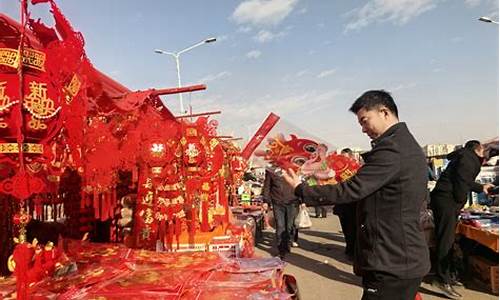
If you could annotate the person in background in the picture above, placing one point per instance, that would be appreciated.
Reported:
(391, 252)
(447, 199)
(280, 195)
(347, 216)
(320, 211)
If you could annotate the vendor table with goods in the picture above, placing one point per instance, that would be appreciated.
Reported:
(480, 226)
(113, 271)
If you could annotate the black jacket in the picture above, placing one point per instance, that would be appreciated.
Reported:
(459, 178)
(276, 190)
(389, 189)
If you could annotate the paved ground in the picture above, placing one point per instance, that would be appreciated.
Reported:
(323, 271)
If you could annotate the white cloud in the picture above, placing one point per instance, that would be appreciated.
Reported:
(289, 77)
(212, 77)
(490, 7)
(403, 86)
(472, 3)
(264, 36)
(281, 105)
(302, 73)
(326, 73)
(302, 11)
(254, 54)
(244, 29)
(263, 12)
(396, 11)
(222, 38)
(457, 39)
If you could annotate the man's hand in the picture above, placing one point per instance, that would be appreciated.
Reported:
(291, 178)
(487, 187)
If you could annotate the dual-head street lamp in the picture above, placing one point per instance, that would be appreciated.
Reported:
(177, 62)
(487, 20)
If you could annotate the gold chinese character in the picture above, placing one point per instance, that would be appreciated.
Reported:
(148, 199)
(148, 184)
(72, 88)
(4, 99)
(213, 143)
(36, 124)
(9, 57)
(37, 102)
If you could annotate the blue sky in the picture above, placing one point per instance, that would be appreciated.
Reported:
(307, 61)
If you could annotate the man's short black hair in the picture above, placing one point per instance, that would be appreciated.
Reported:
(375, 98)
(472, 145)
(346, 150)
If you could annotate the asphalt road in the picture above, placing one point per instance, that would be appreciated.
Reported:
(324, 272)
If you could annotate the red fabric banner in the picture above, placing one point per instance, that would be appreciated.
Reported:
(259, 136)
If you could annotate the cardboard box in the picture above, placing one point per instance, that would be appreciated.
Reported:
(485, 270)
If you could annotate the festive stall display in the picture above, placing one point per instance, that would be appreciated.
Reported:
(234, 168)
(42, 81)
(68, 134)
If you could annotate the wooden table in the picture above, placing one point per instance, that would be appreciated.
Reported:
(483, 237)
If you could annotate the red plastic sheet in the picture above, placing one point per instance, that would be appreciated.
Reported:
(113, 271)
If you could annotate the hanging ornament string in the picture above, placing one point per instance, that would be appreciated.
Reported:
(39, 116)
(19, 125)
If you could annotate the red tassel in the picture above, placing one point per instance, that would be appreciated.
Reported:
(223, 199)
(23, 255)
(135, 175)
(170, 234)
(88, 202)
(178, 228)
(96, 205)
(162, 228)
(83, 199)
(38, 210)
(105, 206)
(204, 216)
(113, 204)
(192, 228)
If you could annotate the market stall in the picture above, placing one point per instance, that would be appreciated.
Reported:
(86, 158)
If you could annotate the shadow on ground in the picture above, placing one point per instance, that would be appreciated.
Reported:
(267, 244)
(326, 235)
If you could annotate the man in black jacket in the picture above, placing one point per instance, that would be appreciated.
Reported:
(447, 199)
(281, 195)
(391, 253)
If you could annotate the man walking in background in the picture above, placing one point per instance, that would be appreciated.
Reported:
(279, 194)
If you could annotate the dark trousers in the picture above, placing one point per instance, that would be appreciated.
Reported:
(445, 222)
(320, 211)
(284, 217)
(347, 217)
(381, 286)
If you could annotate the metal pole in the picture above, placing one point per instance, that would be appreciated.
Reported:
(177, 63)
(179, 84)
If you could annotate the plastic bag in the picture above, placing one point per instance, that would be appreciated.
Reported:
(303, 220)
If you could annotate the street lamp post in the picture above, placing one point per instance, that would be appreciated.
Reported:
(487, 20)
(176, 56)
